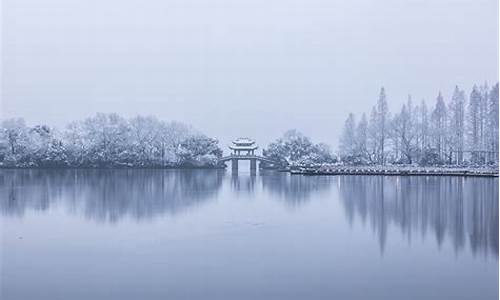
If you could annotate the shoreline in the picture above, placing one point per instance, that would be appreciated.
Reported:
(112, 168)
(391, 171)
(360, 171)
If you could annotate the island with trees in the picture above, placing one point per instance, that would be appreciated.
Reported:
(107, 141)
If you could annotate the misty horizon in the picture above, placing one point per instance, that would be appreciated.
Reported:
(226, 140)
(302, 65)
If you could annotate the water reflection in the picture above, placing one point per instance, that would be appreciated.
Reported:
(463, 211)
(107, 195)
(243, 183)
(455, 210)
(295, 190)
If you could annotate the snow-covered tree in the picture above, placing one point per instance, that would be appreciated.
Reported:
(422, 128)
(492, 125)
(456, 129)
(173, 134)
(348, 138)
(382, 117)
(322, 153)
(361, 141)
(106, 136)
(474, 120)
(106, 140)
(373, 140)
(483, 113)
(446, 135)
(404, 133)
(294, 148)
(143, 136)
(16, 140)
(439, 125)
(199, 150)
(46, 148)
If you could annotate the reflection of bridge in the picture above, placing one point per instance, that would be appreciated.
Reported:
(248, 147)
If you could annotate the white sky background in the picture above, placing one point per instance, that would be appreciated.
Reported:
(249, 67)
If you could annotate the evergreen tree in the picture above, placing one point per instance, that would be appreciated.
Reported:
(382, 118)
(456, 127)
(438, 119)
(404, 133)
(474, 120)
(373, 136)
(492, 125)
(422, 139)
(362, 139)
(348, 140)
(444, 136)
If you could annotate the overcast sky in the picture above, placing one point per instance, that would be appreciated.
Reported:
(240, 67)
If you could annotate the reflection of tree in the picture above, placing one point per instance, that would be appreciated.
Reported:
(294, 190)
(107, 195)
(457, 209)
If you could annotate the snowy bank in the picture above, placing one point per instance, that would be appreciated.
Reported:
(396, 171)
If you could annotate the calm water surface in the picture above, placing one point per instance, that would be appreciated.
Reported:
(156, 234)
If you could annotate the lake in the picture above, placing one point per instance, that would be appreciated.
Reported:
(206, 234)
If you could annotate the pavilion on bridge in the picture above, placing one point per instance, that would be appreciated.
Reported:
(243, 145)
(244, 149)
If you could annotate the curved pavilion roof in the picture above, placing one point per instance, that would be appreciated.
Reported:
(243, 144)
(249, 147)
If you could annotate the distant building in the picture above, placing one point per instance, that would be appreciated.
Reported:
(244, 149)
(245, 145)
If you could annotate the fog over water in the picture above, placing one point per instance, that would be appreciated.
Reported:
(253, 68)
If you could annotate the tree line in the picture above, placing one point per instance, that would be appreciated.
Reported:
(460, 131)
(109, 140)
(106, 140)
(296, 149)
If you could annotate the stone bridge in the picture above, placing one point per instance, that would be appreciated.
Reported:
(252, 158)
(244, 149)
(234, 159)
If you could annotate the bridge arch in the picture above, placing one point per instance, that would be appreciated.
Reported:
(234, 159)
